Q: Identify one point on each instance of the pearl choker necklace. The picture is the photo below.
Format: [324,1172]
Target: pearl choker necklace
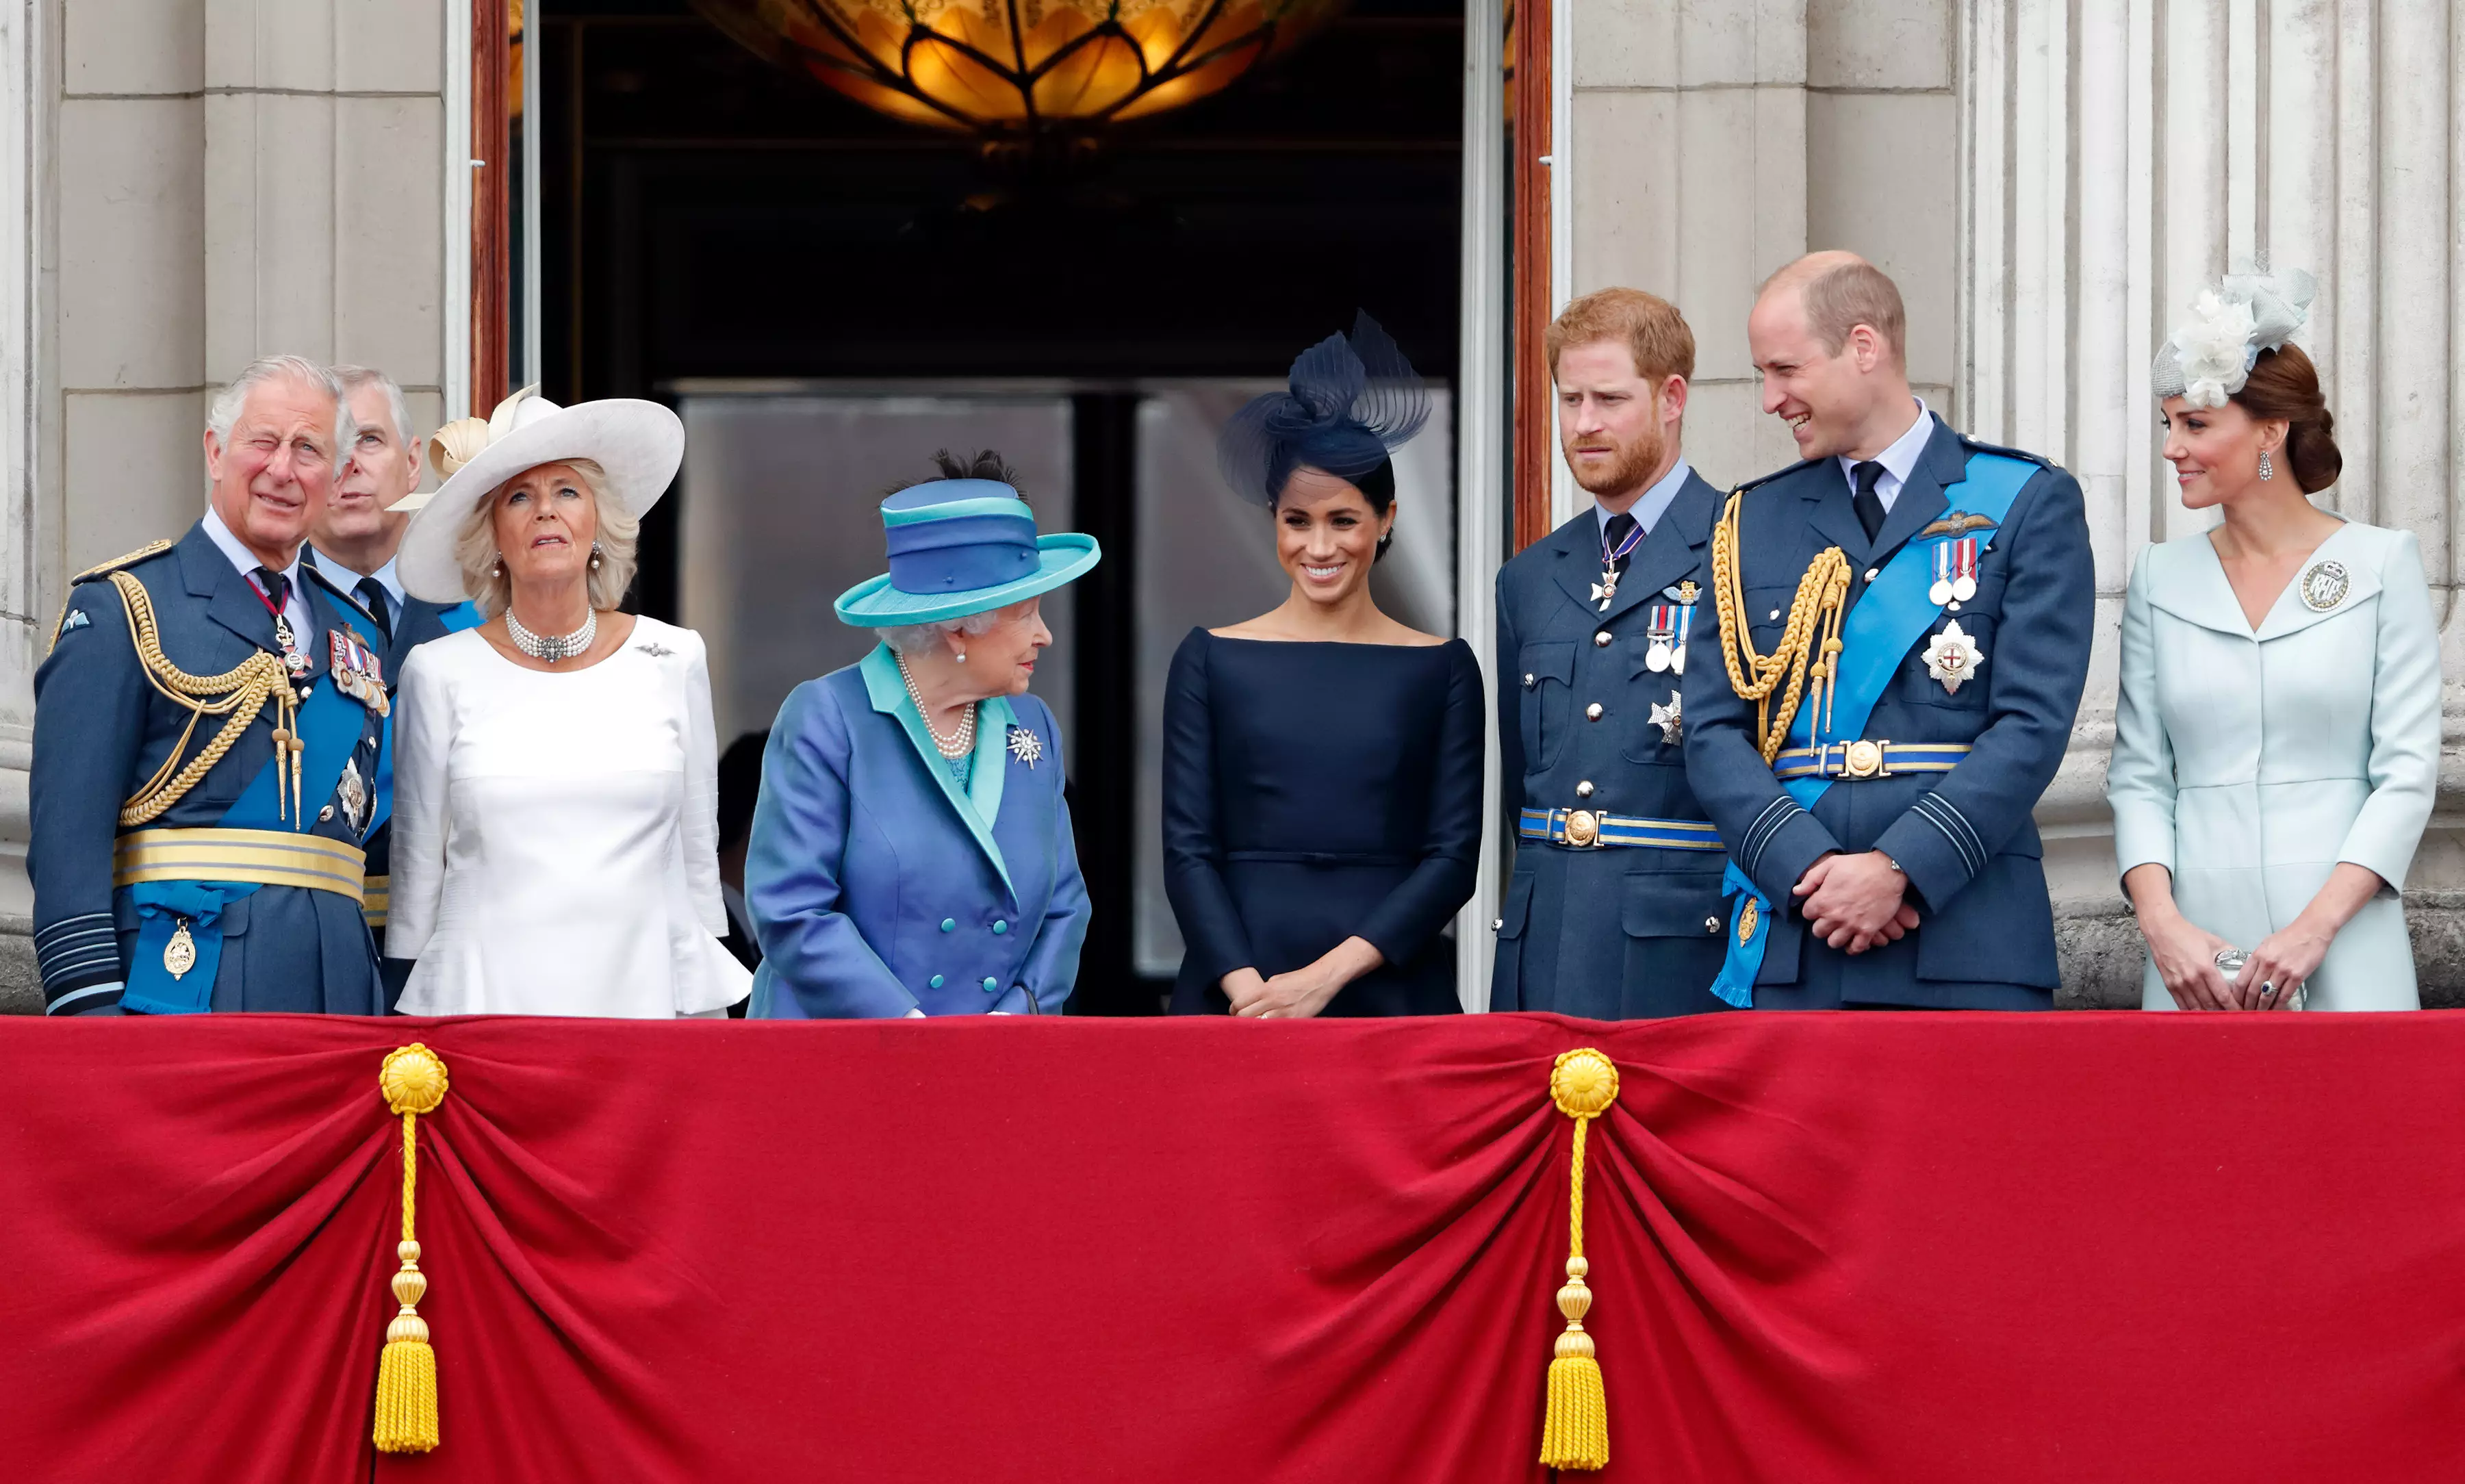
[551,647]
[960,742]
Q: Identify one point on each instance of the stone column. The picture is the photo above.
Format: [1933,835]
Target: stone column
[2117,158]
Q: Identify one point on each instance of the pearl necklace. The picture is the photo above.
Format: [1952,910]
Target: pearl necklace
[960,742]
[551,647]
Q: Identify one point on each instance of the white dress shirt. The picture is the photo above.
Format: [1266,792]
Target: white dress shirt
[1896,460]
[295,606]
[349,581]
[1652,504]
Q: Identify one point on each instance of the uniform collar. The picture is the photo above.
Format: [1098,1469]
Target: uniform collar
[1903,455]
[349,581]
[1652,503]
[241,557]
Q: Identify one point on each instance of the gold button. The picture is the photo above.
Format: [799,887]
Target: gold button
[1601,640]
[1593,711]
[1873,572]
[1583,789]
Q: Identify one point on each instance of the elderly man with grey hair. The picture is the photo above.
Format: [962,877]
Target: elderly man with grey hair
[208,729]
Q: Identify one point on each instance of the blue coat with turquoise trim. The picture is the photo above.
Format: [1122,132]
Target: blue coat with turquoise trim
[874,884]
[102,729]
[1621,933]
[1986,936]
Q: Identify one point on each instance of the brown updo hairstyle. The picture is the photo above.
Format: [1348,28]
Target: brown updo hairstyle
[2284,385]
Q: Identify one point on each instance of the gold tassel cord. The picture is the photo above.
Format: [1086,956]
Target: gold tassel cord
[414,1083]
[1822,598]
[239,694]
[1575,1428]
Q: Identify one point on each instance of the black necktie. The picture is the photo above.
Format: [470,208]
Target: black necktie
[278,591]
[373,593]
[1869,504]
[1621,526]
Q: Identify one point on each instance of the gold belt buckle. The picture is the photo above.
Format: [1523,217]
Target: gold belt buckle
[1583,829]
[1863,760]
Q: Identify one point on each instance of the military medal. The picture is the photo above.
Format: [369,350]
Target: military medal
[291,658]
[1749,917]
[354,794]
[357,670]
[1955,571]
[1606,589]
[1953,658]
[1683,595]
[1662,626]
[1671,719]
[180,954]
[2324,585]
[1026,747]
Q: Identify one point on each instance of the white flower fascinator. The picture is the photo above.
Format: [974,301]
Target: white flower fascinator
[2212,353]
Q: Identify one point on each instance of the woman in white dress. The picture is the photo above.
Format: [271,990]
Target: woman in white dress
[2277,746]
[556,836]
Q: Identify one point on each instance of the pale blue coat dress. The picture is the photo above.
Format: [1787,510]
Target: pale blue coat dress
[2248,764]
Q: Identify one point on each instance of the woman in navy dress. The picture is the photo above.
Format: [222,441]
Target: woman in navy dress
[1322,761]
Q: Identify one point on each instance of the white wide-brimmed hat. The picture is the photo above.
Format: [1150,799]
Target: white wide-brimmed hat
[639,444]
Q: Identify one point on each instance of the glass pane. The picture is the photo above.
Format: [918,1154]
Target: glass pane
[781,495]
[1206,558]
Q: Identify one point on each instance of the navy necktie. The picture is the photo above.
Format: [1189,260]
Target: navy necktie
[373,593]
[1869,504]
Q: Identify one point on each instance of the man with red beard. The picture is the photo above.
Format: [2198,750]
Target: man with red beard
[207,728]
[1613,910]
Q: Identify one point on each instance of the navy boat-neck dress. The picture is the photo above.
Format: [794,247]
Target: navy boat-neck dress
[1314,792]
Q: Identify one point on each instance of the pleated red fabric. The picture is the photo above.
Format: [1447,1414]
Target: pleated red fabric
[1905,1247]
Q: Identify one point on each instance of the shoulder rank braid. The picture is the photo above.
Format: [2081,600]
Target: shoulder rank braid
[240,694]
[1822,596]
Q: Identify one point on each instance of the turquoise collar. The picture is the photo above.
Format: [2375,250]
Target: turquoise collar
[980,806]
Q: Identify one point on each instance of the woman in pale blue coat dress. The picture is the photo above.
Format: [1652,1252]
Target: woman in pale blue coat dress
[2277,746]
[911,852]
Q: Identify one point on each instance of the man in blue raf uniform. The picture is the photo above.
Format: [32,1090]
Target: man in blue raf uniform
[207,728]
[1613,911]
[354,542]
[1902,631]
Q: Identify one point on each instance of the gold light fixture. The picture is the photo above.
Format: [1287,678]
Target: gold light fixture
[1015,69]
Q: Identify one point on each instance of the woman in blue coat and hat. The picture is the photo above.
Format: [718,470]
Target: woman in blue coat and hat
[911,850]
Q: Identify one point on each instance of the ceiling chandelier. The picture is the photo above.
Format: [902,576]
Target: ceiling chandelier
[1018,68]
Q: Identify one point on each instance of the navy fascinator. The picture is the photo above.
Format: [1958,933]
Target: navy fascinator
[1351,402]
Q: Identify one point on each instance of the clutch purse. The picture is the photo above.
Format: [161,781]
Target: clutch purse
[2229,963]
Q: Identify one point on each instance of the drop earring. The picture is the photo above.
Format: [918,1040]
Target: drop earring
[496,567]
[594,556]
[963,656]
[2267,469]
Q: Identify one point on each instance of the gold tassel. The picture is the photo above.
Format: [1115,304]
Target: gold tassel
[1576,1429]
[414,1083]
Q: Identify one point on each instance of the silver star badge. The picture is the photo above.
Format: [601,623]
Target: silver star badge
[1670,719]
[1953,657]
[1604,592]
[1026,747]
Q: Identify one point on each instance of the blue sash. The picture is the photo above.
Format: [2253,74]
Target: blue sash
[456,619]
[330,725]
[1895,610]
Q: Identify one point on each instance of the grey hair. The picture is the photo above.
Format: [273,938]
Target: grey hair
[483,570]
[227,403]
[916,638]
[355,377]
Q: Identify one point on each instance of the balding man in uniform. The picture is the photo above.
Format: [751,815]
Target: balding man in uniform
[208,729]
[1901,636]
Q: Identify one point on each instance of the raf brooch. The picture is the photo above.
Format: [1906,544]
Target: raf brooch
[654,649]
[2324,585]
[1026,747]
[1953,657]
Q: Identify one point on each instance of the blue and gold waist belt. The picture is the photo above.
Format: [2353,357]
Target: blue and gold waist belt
[1591,830]
[265,857]
[1859,759]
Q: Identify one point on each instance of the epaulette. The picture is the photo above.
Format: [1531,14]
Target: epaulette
[1775,475]
[151,549]
[1981,446]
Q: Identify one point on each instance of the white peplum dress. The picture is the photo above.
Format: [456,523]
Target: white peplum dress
[2248,764]
[556,835]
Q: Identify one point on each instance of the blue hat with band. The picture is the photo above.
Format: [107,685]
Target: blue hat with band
[962,546]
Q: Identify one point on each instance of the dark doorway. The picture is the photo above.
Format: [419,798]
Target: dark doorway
[708,217]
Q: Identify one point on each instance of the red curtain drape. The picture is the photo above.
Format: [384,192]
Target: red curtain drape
[1823,1246]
